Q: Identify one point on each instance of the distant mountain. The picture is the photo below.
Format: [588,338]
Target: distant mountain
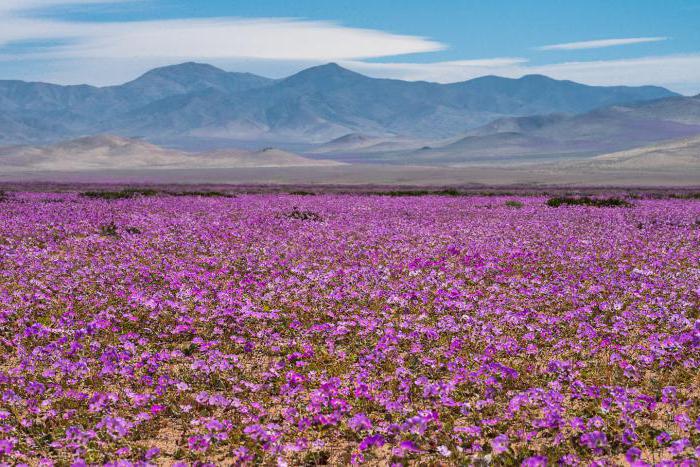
[561,136]
[360,143]
[41,112]
[313,106]
[116,152]
[668,155]
[95,152]
[269,157]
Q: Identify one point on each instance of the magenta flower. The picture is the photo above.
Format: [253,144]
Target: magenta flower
[360,422]
[499,444]
[535,461]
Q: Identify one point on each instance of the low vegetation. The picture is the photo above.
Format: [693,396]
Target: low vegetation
[303,215]
[588,201]
[444,192]
[204,194]
[125,193]
[399,331]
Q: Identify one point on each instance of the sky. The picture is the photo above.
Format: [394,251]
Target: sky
[599,42]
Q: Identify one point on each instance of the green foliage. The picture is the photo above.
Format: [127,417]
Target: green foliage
[514,204]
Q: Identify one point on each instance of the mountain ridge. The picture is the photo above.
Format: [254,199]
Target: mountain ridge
[315,105]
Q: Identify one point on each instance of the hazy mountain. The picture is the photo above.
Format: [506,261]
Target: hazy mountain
[360,143]
[95,152]
[189,78]
[541,138]
[269,157]
[315,105]
[41,112]
[116,152]
[328,101]
[668,155]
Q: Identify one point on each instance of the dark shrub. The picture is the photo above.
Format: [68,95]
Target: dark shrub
[205,194]
[302,193]
[445,192]
[588,201]
[303,215]
[109,230]
[695,195]
[122,194]
[314,458]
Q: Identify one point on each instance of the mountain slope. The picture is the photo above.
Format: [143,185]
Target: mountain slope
[315,105]
[328,101]
[538,138]
[115,152]
[668,155]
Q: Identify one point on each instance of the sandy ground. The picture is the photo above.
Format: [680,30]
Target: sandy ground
[375,175]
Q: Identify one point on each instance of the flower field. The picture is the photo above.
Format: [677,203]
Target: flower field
[336,329]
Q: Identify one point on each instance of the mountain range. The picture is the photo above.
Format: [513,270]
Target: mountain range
[313,106]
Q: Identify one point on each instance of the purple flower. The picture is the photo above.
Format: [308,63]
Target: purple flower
[151,453]
[535,461]
[596,441]
[677,447]
[499,444]
[633,454]
[360,422]
[405,447]
[683,421]
[372,441]
[6,446]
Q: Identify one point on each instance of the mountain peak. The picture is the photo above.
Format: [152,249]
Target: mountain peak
[536,78]
[182,71]
[327,71]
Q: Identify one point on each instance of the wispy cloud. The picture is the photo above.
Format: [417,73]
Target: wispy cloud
[601,43]
[208,38]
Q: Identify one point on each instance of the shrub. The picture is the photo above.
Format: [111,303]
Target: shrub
[588,201]
[205,194]
[302,193]
[693,195]
[109,230]
[122,194]
[444,192]
[514,204]
[303,215]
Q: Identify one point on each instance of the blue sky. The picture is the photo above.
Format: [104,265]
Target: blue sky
[598,42]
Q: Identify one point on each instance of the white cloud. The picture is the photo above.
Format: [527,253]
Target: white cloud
[208,38]
[601,43]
